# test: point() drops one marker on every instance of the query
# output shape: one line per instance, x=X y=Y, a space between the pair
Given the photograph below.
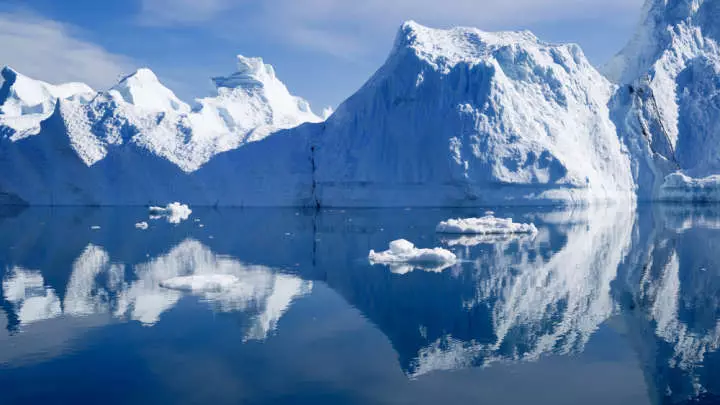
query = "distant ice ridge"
x=25 y=102
x=140 y=111
x=487 y=225
x=403 y=257
x=668 y=106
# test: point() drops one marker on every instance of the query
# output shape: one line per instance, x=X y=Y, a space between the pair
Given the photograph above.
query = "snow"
x=667 y=106
x=25 y=102
x=464 y=117
x=487 y=225
x=174 y=213
x=454 y=117
x=681 y=188
x=403 y=256
x=142 y=225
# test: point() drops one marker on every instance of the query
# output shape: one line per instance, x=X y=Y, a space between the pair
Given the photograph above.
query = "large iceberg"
x=466 y=117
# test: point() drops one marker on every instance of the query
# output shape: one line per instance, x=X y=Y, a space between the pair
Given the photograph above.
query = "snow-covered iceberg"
x=667 y=107
x=466 y=117
x=403 y=257
x=487 y=225
x=456 y=117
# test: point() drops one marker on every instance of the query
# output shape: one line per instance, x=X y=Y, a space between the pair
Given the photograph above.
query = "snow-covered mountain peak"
x=144 y=90
x=445 y=48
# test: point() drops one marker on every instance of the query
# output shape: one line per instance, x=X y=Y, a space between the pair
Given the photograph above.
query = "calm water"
x=601 y=307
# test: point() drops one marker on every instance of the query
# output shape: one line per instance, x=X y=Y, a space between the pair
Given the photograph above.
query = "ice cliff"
x=668 y=106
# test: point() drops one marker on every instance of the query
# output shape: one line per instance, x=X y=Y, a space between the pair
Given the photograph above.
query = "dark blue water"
x=601 y=307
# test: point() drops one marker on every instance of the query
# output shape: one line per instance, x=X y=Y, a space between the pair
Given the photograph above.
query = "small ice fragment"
x=403 y=257
x=95 y=227
x=173 y=212
x=201 y=226
x=488 y=225
x=142 y=225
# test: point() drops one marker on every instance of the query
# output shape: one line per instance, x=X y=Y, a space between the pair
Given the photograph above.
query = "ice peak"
x=139 y=77
x=447 y=47
x=251 y=72
x=143 y=89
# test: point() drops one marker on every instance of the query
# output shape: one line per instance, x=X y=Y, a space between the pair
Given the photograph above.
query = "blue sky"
x=323 y=50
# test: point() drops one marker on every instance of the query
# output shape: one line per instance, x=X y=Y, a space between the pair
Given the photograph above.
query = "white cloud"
x=347 y=28
x=56 y=53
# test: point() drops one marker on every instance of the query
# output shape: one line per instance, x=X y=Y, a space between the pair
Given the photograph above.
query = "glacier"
x=454 y=117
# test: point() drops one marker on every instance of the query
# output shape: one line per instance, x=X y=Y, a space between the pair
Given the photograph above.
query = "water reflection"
x=651 y=276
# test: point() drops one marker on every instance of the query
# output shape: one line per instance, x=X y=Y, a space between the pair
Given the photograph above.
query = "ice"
x=205 y=282
x=142 y=225
x=681 y=188
x=25 y=102
x=488 y=225
x=454 y=117
x=404 y=257
x=666 y=108
x=175 y=213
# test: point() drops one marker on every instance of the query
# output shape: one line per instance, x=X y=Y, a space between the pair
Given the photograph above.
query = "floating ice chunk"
x=201 y=282
x=173 y=212
x=142 y=225
x=679 y=187
x=404 y=257
x=488 y=225
x=95 y=227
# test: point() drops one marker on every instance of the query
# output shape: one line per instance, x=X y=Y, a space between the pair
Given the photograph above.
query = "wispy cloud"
x=56 y=52
x=347 y=28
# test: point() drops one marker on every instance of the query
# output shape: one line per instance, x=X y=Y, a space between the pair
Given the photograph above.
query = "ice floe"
x=487 y=225
x=404 y=257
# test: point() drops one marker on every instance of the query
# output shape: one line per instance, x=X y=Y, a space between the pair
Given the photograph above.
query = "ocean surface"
x=602 y=306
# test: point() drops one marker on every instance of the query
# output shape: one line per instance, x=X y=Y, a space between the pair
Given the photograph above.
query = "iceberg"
x=464 y=117
x=667 y=106
x=453 y=118
x=487 y=225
